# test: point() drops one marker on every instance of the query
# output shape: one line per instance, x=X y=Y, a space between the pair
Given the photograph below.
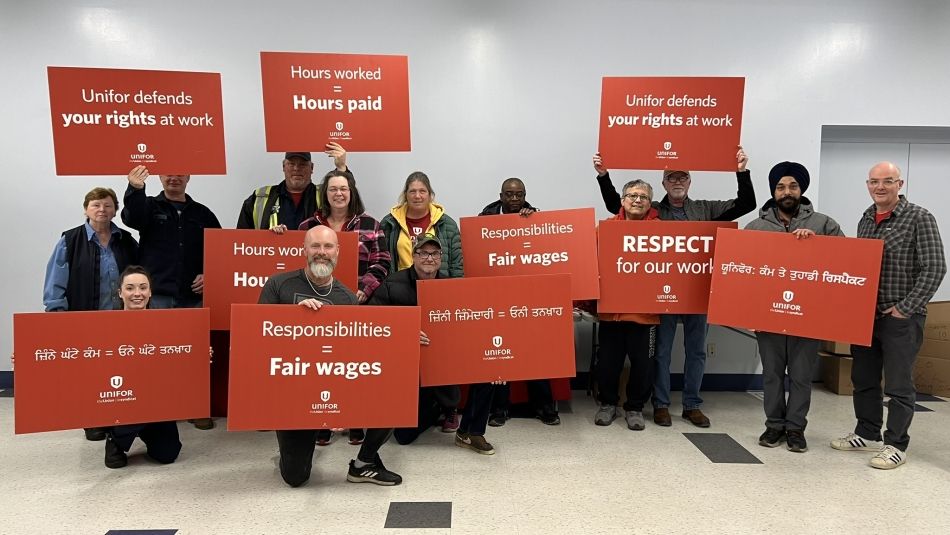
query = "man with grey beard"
x=314 y=288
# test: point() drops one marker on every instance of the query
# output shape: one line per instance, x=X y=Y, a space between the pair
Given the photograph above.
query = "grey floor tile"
x=419 y=515
x=721 y=448
x=927 y=398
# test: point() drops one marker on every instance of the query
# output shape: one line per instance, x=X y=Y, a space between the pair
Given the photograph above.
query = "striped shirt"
x=913 y=264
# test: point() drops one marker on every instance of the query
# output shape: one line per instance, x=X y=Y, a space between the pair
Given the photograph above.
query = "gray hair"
x=638 y=184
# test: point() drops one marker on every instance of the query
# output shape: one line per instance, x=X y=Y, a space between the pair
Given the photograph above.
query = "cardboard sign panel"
x=360 y=101
x=821 y=287
x=340 y=366
x=559 y=241
x=104 y=368
x=239 y=262
x=656 y=266
x=496 y=328
x=107 y=121
x=671 y=122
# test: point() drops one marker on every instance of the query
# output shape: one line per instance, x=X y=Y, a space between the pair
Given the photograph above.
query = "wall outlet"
x=710 y=351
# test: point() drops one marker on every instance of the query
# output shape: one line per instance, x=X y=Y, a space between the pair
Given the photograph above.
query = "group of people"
x=98 y=266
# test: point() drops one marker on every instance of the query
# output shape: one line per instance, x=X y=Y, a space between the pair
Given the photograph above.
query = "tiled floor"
x=574 y=478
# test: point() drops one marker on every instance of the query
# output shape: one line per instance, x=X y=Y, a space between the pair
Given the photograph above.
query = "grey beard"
x=321 y=270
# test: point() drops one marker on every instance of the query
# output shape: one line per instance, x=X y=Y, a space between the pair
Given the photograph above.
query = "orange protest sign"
x=822 y=287
x=239 y=262
x=682 y=123
x=107 y=121
x=656 y=266
x=496 y=328
x=360 y=101
x=340 y=366
x=104 y=368
x=559 y=241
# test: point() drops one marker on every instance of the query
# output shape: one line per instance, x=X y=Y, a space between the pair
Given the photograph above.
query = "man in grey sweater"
x=789 y=211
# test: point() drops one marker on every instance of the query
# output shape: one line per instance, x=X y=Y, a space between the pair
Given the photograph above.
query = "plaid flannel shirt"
x=913 y=264
x=374 y=258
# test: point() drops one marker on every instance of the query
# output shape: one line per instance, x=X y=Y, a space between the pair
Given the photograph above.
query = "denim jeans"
x=694 y=340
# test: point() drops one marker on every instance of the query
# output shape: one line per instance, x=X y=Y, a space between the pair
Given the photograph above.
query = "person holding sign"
x=512 y=200
x=284 y=206
x=912 y=269
x=83 y=271
x=160 y=438
x=627 y=335
x=789 y=211
x=417 y=215
x=341 y=209
x=676 y=205
x=314 y=287
x=399 y=289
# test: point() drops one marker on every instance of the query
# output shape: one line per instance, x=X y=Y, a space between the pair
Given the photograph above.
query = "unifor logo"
x=666 y=289
x=339 y=125
x=788 y=295
x=116 y=381
x=667 y=145
x=142 y=147
x=325 y=396
x=496 y=341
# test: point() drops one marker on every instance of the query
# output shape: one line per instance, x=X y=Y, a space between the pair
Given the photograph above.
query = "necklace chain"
x=312 y=287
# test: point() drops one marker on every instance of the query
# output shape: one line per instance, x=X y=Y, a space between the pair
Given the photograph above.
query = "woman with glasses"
x=341 y=209
x=414 y=217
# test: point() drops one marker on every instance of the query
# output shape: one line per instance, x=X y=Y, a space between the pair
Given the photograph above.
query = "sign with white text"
x=822 y=287
x=559 y=241
x=496 y=328
x=341 y=366
x=681 y=123
x=105 y=368
x=656 y=266
x=239 y=262
x=107 y=121
x=360 y=101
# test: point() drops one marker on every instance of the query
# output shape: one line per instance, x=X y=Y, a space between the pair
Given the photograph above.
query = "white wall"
x=498 y=88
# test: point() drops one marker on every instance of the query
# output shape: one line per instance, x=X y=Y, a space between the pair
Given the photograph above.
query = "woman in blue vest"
x=83 y=271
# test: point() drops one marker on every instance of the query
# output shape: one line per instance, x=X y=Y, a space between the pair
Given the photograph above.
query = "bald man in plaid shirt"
x=912 y=268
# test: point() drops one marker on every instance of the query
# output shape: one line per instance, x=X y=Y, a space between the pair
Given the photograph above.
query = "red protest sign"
x=107 y=121
x=104 y=368
x=682 y=123
x=559 y=241
x=239 y=262
x=496 y=328
x=656 y=266
x=771 y=281
x=340 y=366
x=358 y=100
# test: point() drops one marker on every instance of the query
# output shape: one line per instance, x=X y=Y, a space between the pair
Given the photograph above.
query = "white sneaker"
x=853 y=442
x=888 y=458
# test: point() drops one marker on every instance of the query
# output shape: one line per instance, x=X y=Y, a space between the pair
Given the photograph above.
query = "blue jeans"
x=694 y=334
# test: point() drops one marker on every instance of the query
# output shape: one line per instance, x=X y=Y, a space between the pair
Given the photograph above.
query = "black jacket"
x=399 y=289
x=696 y=210
x=287 y=213
x=495 y=208
x=82 y=289
x=171 y=247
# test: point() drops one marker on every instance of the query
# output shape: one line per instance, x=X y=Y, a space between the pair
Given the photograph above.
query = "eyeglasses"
x=334 y=191
x=677 y=179
x=636 y=197
x=887 y=182
x=424 y=255
x=514 y=194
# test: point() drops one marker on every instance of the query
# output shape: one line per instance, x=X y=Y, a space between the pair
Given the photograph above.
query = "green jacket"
x=444 y=227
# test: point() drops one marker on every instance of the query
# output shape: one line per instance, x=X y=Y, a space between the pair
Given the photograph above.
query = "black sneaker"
x=796 y=441
x=771 y=437
x=372 y=473
x=115 y=457
x=95 y=434
x=357 y=436
x=498 y=419
x=323 y=437
x=548 y=417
